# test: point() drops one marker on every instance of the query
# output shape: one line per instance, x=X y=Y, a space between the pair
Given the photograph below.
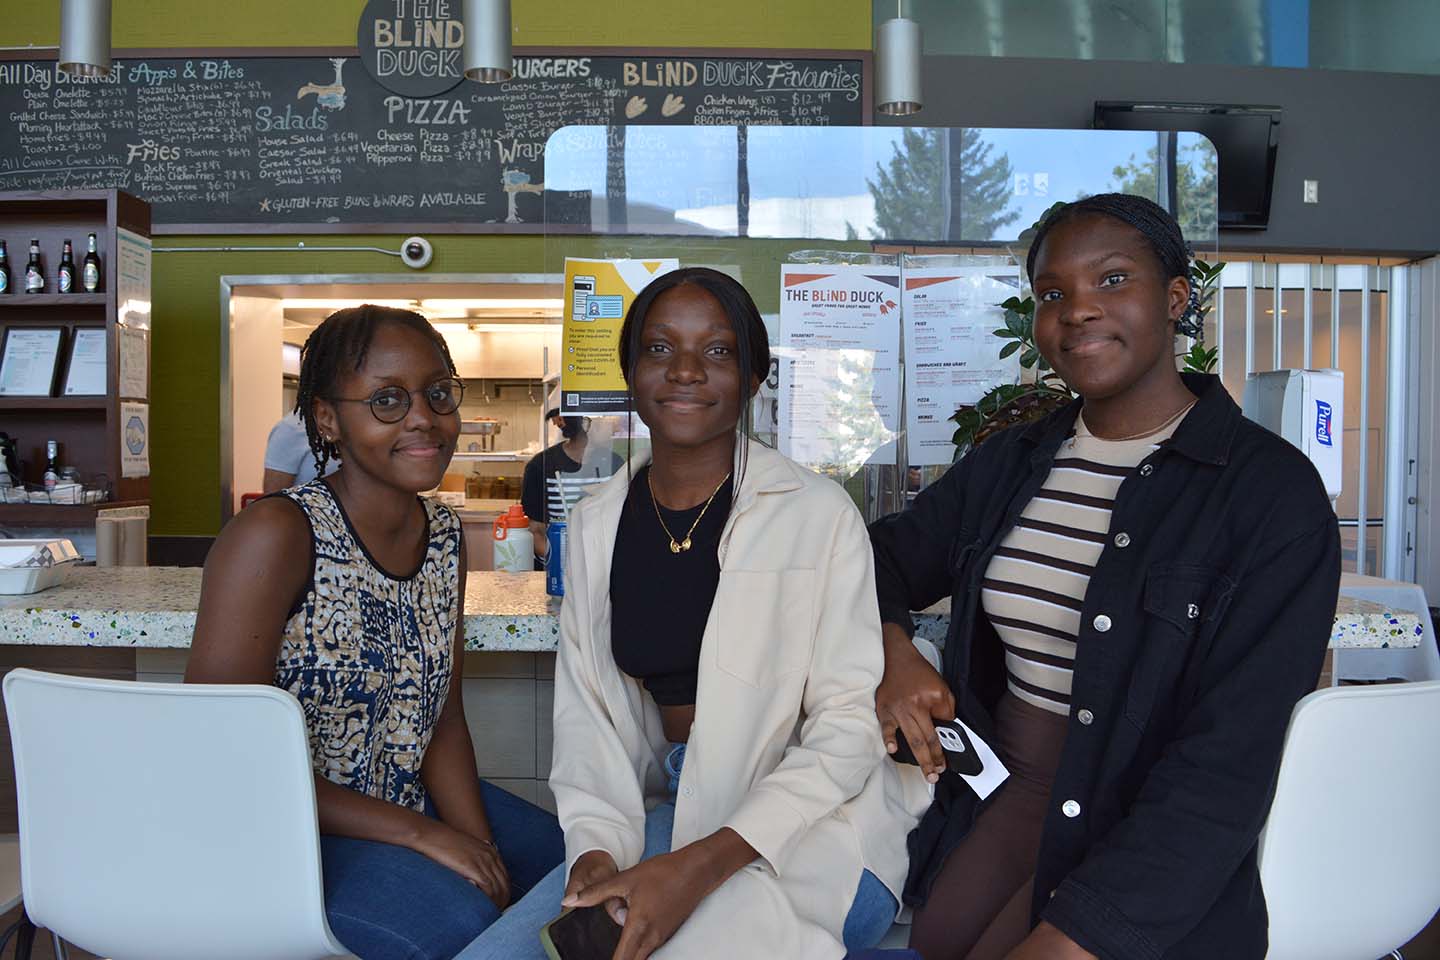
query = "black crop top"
x=660 y=601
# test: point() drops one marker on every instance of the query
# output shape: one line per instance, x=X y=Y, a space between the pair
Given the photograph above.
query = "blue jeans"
x=386 y=902
x=516 y=935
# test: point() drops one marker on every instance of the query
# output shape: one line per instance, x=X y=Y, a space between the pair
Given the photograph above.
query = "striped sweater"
x=1035 y=585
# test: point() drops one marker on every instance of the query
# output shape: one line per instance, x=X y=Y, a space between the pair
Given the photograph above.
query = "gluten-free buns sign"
x=412 y=47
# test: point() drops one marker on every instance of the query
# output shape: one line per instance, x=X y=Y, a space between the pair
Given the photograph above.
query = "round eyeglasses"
x=391 y=404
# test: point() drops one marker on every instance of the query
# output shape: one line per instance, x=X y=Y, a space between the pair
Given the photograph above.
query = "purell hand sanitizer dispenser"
x=1307 y=408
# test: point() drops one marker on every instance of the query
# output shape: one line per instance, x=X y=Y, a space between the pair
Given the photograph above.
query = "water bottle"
x=514 y=545
x=555 y=559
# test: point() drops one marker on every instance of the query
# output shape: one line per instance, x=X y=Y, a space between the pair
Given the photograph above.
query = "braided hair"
x=1152 y=221
x=339 y=344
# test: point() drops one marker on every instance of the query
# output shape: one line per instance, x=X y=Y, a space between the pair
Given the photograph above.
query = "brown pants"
x=979 y=907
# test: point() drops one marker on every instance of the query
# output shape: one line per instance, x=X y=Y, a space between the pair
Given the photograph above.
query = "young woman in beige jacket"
x=718 y=766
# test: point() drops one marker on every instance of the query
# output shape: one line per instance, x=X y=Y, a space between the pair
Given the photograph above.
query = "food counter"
x=154 y=607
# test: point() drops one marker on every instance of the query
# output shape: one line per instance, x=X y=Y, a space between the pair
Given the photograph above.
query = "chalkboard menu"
x=315 y=144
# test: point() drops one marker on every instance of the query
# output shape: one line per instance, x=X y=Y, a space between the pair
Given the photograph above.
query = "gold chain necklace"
x=1149 y=430
x=679 y=546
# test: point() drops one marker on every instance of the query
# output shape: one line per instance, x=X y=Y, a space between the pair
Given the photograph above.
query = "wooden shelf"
x=55 y=403
x=52 y=299
x=88 y=429
x=58 y=514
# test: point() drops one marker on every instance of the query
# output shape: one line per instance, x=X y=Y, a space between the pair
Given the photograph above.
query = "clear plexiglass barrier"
x=878 y=257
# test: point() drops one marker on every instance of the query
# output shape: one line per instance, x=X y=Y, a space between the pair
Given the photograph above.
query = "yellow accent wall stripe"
x=760 y=24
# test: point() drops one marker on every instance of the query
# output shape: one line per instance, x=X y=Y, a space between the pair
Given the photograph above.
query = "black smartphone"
x=585 y=933
x=960 y=754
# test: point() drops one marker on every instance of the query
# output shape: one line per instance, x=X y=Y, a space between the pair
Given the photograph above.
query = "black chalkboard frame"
x=864 y=57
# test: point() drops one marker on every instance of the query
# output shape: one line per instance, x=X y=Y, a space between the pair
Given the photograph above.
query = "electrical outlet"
x=1312 y=191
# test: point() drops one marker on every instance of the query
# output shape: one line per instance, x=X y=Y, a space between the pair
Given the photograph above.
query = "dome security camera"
x=416 y=252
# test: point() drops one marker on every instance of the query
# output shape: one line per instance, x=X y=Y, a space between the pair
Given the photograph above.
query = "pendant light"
x=897 y=66
x=487 y=41
x=85 y=38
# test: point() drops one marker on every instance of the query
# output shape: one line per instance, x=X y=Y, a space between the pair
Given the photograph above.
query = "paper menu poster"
x=952 y=357
x=134 y=362
x=838 y=402
x=131 y=277
x=597 y=295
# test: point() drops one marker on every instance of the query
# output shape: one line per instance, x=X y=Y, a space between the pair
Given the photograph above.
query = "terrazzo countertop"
x=1358 y=624
x=154 y=607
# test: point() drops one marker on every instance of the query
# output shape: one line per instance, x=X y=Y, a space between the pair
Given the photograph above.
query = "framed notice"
x=89 y=364
x=27 y=361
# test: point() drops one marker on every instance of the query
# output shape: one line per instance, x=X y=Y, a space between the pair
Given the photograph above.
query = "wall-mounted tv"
x=1245 y=139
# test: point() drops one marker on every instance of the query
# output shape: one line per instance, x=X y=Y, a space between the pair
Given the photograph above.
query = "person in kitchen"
x=717 y=765
x=288 y=459
x=346 y=592
x=1142 y=586
x=540 y=490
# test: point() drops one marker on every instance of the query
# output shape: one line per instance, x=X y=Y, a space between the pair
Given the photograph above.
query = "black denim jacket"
x=1200 y=630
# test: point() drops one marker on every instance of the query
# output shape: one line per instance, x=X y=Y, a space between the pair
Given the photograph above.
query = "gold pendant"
x=674 y=547
x=685 y=544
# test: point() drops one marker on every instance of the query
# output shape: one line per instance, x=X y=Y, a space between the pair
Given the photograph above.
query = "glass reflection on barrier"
x=1394 y=36
x=891 y=184
x=755 y=202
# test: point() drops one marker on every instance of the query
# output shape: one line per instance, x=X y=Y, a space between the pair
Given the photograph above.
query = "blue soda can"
x=555 y=558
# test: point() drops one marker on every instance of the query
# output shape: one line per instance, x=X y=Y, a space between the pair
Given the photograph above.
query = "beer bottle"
x=4 y=269
x=52 y=465
x=34 y=273
x=90 y=269
x=67 y=268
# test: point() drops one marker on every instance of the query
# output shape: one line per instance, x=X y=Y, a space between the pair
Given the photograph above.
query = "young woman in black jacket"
x=1142 y=587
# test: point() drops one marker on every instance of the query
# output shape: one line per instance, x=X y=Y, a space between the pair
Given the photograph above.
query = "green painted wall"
x=185 y=420
x=761 y=24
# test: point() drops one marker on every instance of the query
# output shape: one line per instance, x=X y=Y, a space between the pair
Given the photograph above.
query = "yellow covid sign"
x=598 y=293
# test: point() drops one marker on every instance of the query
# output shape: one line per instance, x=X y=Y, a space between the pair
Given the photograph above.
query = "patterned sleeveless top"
x=369 y=655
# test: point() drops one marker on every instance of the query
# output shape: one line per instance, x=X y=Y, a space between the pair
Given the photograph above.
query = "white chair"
x=1350 y=855
x=1410 y=663
x=167 y=822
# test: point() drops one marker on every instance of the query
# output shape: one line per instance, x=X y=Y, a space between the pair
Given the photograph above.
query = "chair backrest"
x=1349 y=855
x=167 y=821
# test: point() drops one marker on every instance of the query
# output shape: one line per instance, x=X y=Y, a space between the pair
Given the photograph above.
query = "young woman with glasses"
x=718 y=766
x=348 y=592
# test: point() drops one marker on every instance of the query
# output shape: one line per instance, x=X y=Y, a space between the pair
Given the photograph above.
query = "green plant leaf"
x=1002 y=333
x=1010 y=348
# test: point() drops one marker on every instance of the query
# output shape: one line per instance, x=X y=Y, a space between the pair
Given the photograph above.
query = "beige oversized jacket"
x=785 y=748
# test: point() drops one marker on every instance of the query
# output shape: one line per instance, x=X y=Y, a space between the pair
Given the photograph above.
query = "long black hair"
x=340 y=343
x=1154 y=223
x=752 y=342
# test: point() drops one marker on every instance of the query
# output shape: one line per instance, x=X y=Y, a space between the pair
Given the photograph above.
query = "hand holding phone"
x=960 y=754
x=585 y=933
